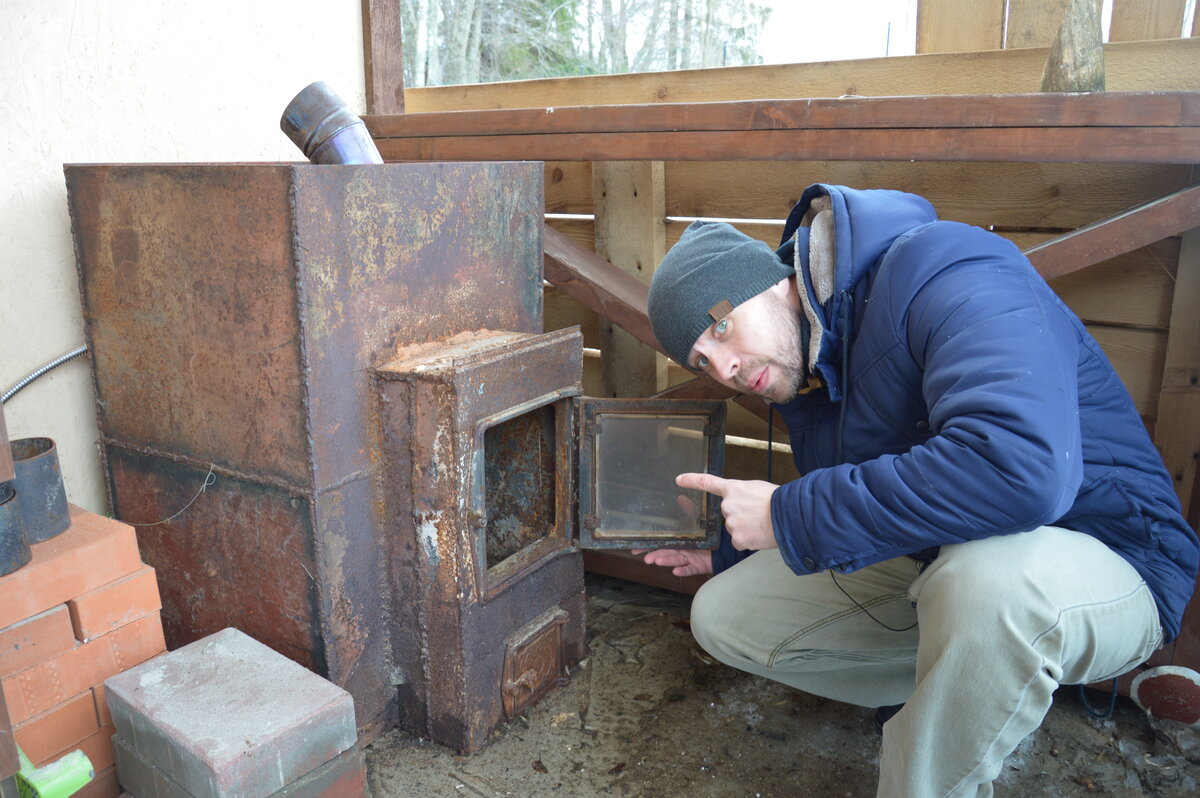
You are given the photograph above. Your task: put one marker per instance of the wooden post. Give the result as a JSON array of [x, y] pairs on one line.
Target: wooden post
[[630, 206], [383, 56], [1176, 432], [1076, 61], [960, 26]]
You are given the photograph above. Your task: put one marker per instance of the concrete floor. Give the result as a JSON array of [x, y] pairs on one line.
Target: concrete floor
[[649, 714]]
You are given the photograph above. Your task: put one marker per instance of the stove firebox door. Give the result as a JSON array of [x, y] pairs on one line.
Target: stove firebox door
[[630, 451]]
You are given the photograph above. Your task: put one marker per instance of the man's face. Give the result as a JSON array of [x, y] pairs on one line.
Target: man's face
[[756, 347]]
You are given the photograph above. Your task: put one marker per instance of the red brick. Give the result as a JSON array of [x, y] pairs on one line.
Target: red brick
[[97, 746], [37, 689], [102, 713], [41, 637], [43, 737], [92, 552], [103, 786], [107, 607]]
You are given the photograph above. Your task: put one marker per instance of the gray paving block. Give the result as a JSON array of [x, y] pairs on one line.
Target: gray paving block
[[227, 717]]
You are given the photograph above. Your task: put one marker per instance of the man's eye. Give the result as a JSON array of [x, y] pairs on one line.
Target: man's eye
[[721, 327], [702, 362]]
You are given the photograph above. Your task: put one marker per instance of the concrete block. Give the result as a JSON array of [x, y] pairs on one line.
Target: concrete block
[[344, 776], [113, 605], [227, 717], [104, 785], [32, 640]]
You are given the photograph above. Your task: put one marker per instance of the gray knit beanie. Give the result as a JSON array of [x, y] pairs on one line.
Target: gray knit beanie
[[711, 270]]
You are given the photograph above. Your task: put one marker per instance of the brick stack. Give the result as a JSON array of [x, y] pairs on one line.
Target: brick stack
[[85, 608], [227, 716]]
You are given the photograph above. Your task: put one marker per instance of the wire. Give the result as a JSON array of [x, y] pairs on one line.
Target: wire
[[53, 364], [210, 479], [866, 611]]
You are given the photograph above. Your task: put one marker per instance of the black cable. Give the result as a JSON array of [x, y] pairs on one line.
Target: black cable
[[865, 610], [1112, 702]]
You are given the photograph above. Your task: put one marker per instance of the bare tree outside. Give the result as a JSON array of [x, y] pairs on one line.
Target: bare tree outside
[[480, 41]]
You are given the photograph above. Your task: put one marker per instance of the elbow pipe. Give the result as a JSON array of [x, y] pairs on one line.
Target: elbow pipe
[[325, 129]]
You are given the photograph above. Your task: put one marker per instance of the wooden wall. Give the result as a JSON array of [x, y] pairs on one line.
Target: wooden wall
[[1135, 305]]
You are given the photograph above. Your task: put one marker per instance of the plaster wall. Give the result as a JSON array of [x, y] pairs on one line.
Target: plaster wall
[[98, 81]]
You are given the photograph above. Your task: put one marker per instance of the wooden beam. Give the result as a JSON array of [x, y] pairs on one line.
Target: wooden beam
[[1125, 232], [1033, 145], [924, 112], [383, 56], [586, 277], [1134, 127], [1163, 65]]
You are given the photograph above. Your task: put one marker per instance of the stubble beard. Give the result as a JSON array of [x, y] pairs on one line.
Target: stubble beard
[[788, 363]]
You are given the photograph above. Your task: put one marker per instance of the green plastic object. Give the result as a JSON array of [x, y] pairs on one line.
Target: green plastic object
[[61, 778]]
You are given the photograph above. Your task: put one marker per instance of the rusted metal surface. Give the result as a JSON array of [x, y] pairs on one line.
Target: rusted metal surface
[[39, 483], [234, 313], [241, 555], [470, 609]]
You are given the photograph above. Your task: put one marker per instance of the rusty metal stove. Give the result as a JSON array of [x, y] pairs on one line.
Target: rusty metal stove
[[400, 455]]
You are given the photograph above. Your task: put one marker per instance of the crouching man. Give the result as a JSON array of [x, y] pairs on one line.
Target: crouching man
[[981, 515]]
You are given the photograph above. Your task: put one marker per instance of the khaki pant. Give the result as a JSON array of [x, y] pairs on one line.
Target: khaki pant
[[996, 626]]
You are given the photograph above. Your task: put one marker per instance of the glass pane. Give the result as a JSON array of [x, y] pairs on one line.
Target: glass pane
[[519, 474], [637, 460]]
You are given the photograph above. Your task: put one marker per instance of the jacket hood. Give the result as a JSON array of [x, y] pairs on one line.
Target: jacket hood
[[849, 231]]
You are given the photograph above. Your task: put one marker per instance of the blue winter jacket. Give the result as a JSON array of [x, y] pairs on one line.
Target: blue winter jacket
[[975, 404]]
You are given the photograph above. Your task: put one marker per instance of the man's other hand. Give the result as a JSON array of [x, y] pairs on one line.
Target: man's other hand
[[745, 504], [682, 562]]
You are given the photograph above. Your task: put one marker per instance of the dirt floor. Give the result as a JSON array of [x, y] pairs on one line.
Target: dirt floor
[[649, 714]]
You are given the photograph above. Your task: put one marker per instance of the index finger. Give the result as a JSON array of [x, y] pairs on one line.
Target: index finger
[[708, 483]]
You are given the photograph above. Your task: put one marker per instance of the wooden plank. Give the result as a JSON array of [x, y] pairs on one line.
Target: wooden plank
[[383, 56], [1138, 357], [1166, 65], [1106, 110], [1137, 227], [1134, 20], [568, 187], [1177, 433], [1171, 145], [1132, 290], [1059, 196], [956, 26], [1034, 23], [583, 275], [629, 205]]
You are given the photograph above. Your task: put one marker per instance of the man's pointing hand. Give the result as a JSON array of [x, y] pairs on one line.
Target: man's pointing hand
[[745, 504]]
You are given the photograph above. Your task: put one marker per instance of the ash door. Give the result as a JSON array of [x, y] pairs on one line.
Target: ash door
[[630, 451]]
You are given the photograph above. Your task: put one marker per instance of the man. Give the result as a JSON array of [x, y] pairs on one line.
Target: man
[[981, 515]]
